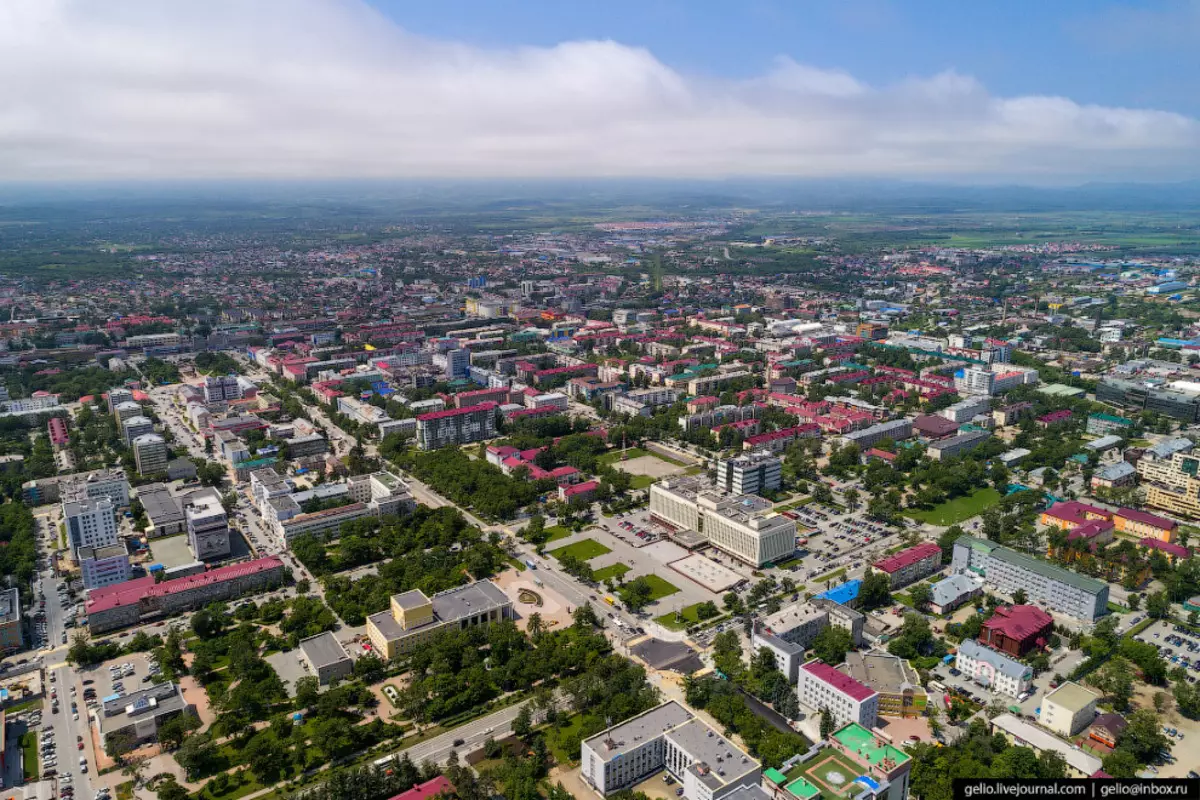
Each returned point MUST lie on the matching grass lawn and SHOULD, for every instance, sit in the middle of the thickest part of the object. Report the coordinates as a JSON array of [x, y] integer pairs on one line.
[[640, 481], [29, 755], [516, 563], [557, 532], [613, 456], [954, 511], [250, 784], [26, 705], [803, 501], [560, 735], [125, 790], [687, 616], [660, 588], [583, 550], [832, 576], [616, 571]]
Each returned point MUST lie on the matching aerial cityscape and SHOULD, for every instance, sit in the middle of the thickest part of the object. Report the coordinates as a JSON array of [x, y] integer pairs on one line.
[[522, 402]]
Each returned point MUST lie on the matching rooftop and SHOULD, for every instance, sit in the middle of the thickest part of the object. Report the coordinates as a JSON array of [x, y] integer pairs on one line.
[[1071, 696], [839, 681], [908, 557], [1147, 518], [323, 649], [634, 732], [718, 762], [1018, 622], [1039, 740], [132, 592], [883, 673]]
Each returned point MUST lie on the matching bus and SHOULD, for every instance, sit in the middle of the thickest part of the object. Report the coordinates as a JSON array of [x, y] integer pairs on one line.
[[608, 598], [529, 563]]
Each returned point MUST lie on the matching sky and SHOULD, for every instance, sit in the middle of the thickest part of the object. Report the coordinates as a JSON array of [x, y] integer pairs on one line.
[[1046, 93]]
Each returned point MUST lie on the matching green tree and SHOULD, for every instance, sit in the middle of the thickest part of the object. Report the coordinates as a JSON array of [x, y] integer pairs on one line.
[[1158, 605], [523, 723], [1143, 737], [832, 644], [875, 591], [921, 596], [827, 724], [307, 691], [1019, 597], [1121, 763]]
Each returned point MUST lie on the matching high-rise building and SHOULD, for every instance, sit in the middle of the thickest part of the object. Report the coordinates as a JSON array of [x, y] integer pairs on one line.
[[104, 566], [150, 454], [207, 526], [750, 474], [221, 389], [135, 427], [90, 523]]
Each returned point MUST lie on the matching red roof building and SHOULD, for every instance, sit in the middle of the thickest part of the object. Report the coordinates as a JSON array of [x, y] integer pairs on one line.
[[911, 564], [58, 432], [1072, 514], [822, 686], [1141, 523], [428, 789], [1016, 630], [583, 491], [931, 426], [1172, 551], [145, 590]]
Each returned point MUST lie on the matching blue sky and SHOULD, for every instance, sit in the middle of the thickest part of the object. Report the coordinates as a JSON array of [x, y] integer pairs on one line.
[[965, 91], [1140, 55]]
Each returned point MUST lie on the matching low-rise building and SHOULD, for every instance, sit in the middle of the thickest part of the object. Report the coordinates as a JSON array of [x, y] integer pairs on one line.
[[1078, 763], [897, 684], [414, 619], [1142, 524], [823, 687], [124, 604], [326, 657], [1017, 629], [956, 445], [911, 564], [136, 718], [742, 525], [1068, 709], [994, 670], [883, 770], [164, 514], [951, 592], [669, 737], [789, 632]]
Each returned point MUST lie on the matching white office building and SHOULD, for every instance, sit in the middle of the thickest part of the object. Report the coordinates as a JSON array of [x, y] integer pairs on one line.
[[706, 764], [221, 389], [743, 526], [993, 670]]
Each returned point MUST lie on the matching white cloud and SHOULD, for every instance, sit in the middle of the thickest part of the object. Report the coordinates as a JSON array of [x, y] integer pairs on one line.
[[329, 88]]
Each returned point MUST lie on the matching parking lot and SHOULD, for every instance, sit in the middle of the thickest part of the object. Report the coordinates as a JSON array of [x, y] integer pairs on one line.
[[1178, 646], [122, 676]]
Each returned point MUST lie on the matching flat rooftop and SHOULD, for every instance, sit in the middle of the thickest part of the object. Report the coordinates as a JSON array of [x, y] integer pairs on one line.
[[883, 673], [10, 606], [633, 733], [718, 761], [323, 650], [153, 701]]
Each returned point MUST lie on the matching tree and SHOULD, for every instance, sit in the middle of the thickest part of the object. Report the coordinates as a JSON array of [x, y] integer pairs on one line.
[[707, 610], [921, 596], [536, 625], [1121, 763], [822, 494], [827, 724], [197, 754], [169, 789], [727, 654], [637, 594], [1115, 679], [1019, 597], [206, 624], [875, 591], [307, 691], [851, 496], [832, 644], [172, 732], [522, 725], [1143, 737], [1158, 605]]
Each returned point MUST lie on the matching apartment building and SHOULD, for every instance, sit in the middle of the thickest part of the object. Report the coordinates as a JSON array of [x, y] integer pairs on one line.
[[413, 619], [11, 637], [1053, 587], [741, 525], [221, 389], [90, 523], [957, 445], [1172, 483], [821, 686], [104, 566], [789, 632], [912, 564], [896, 430], [150, 454], [951, 592], [750, 474], [207, 526], [110, 483], [135, 427], [1068, 709], [456, 426], [375, 495], [993, 670], [669, 737]]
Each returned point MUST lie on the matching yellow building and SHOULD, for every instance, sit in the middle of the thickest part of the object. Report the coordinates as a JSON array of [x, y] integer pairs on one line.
[[1142, 525], [414, 619]]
